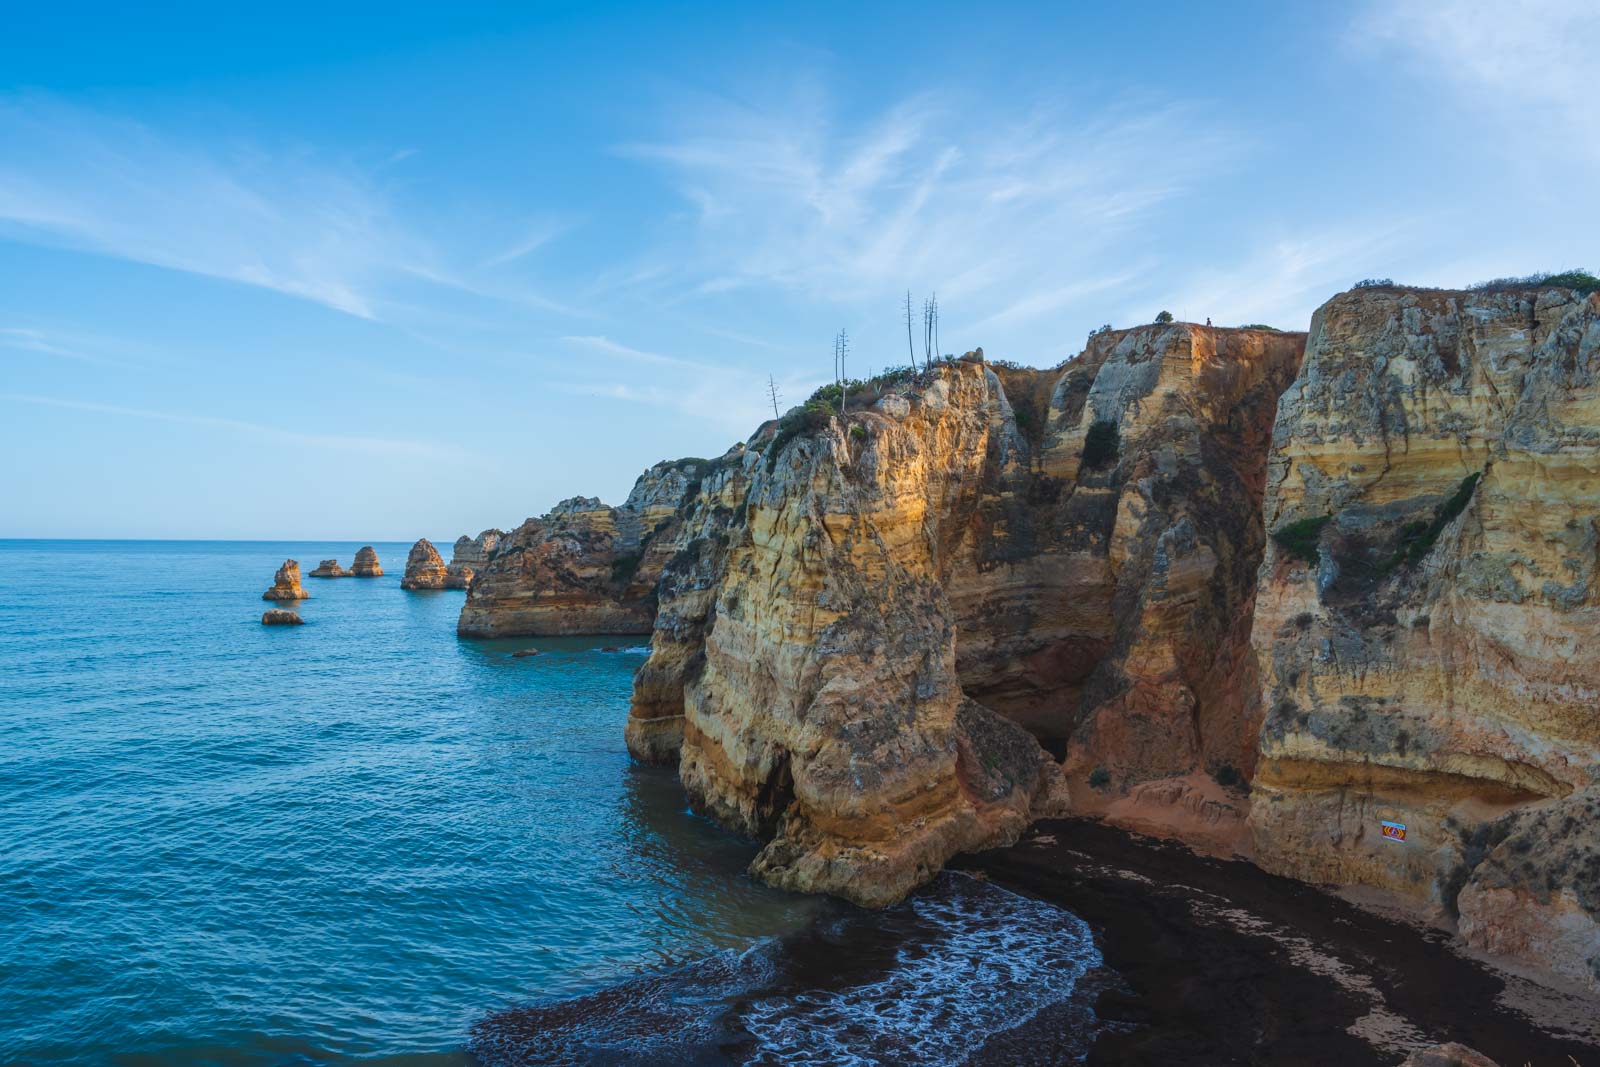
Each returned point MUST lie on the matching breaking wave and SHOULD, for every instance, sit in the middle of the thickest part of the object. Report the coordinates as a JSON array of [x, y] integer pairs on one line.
[[963, 973]]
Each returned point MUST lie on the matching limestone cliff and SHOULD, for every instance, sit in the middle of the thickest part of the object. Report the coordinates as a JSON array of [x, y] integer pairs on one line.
[[286, 584], [366, 563], [583, 568], [854, 596], [1428, 610], [329, 568], [470, 555], [425, 568]]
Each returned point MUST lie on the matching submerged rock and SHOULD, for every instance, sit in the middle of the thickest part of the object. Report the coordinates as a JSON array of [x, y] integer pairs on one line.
[[523, 653], [329, 568], [281, 617], [424, 567], [286, 584], [366, 563]]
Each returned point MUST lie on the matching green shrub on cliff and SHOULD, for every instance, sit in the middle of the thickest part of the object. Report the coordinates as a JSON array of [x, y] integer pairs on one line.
[[1100, 778], [1163, 318], [808, 418], [1577, 279], [1299, 539], [1101, 443], [1417, 538], [1260, 326]]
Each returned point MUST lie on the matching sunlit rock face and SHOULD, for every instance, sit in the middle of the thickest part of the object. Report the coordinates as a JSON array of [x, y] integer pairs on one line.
[[424, 567], [286, 583], [1427, 615], [852, 606], [366, 563], [583, 568], [469, 557]]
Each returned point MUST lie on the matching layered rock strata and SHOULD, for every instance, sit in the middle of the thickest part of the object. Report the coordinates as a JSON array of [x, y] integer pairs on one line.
[[470, 555], [366, 563], [329, 568], [855, 599], [1428, 610], [286, 584], [583, 568], [425, 568]]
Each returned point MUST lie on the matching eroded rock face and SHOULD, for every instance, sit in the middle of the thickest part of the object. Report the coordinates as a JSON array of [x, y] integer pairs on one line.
[[1426, 629], [425, 568], [329, 568], [848, 601], [366, 563], [281, 617], [584, 568], [286, 584], [470, 554]]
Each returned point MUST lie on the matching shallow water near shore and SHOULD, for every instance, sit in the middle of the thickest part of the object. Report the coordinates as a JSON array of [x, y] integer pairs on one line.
[[365, 838]]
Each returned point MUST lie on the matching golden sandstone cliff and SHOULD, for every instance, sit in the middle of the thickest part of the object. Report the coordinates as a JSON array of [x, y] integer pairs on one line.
[[425, 568], [1264, 591], [469, 556], [854, 604], [583, 568], [1427, 619]]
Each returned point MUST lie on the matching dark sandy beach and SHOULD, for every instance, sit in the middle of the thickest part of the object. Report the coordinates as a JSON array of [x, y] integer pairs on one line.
[[1218, 962]]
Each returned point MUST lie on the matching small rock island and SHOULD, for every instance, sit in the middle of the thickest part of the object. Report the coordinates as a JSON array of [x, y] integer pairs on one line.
[[286, 584], [366, 563], [281, 617], [425, 568], [329, 568]]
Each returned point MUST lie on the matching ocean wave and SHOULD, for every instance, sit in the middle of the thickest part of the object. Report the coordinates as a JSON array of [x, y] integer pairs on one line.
[[941, 979]]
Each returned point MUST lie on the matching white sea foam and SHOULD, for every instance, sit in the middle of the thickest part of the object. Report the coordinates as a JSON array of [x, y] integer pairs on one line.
[[988, 961]]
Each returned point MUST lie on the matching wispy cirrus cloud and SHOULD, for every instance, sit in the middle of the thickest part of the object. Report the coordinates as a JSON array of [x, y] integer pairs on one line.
[[989, 205], [1533, 61], [375, 446]]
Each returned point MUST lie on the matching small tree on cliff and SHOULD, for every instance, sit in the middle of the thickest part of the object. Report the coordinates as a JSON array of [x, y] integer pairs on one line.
[[772, 393], [1164, 318]]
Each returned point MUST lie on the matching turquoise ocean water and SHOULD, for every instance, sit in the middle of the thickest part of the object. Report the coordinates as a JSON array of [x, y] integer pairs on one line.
[[367, 840], [228, 843]]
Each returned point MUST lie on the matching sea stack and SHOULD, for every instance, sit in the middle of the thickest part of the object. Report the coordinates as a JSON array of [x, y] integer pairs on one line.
[[281, 617], [329, 568], [366, 564], [286, 583], [424, 567], [469, 557]]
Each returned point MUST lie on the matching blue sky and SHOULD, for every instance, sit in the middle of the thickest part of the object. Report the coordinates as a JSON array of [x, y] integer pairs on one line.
[[404, 272]]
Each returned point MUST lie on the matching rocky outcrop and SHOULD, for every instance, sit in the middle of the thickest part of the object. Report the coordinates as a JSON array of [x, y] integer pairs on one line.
[[857, 598], [470, 555], [286, 584], [424, 567], [1450, 1054], [329, 568], [281, 617], [583, 568], [1428, 610], [366, 563]]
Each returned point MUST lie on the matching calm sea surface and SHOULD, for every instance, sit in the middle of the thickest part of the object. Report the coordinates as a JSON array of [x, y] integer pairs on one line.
[[366, 839], [228, 843]]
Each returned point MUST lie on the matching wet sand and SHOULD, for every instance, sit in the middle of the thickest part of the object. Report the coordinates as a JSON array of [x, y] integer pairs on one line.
[[1218, 962]]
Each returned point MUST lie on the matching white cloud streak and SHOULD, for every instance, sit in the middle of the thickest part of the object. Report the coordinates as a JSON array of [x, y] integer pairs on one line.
[[377, 446], [990, 211]]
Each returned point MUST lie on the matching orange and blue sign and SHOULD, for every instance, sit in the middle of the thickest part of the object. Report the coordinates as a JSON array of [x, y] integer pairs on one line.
[[1394, 831]]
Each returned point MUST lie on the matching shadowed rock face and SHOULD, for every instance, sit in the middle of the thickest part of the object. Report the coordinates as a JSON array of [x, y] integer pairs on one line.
[[366, 563], [424, 567], [470, 554], [584, 568], [286, 584], [1429, 656], [842, 610]]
